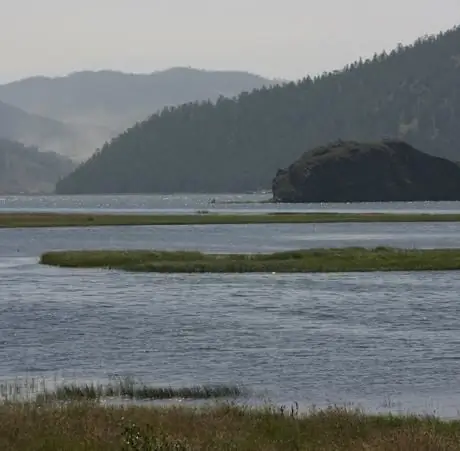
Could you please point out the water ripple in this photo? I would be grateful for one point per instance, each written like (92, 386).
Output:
(316, 338)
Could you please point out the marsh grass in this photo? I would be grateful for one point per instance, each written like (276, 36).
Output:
(301, 261)
(13, 220)
(21, 390)
(41, 391)
(90, 427)
(129, 390)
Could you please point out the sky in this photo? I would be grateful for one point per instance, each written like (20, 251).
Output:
(285, 39)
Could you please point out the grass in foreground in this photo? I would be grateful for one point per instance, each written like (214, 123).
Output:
(302, 261)
(15, 220)
(89, 427)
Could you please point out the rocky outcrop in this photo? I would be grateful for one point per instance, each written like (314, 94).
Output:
(388, 171)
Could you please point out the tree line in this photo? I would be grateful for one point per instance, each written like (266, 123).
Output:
(238, 144)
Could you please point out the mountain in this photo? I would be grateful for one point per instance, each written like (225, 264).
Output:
(238, 144)
(33, 130)
(27, 170)
(117, 100)
(388, 171)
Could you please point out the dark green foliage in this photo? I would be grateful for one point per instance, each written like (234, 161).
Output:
(301, 261)
(238, 144)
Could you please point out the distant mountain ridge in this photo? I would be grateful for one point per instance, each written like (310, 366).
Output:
(77, 114)
(237, 145)
(116, 100)
(29, 171)
(34, 130)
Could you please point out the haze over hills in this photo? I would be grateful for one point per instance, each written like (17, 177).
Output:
(237, 145)
(34, 130)
(27, 170)
(100, 105)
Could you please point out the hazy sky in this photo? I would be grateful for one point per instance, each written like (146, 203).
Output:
(276, 38)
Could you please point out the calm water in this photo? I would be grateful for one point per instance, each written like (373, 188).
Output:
(230, 238)
(377, 340)
(382, 341)
(190, 203)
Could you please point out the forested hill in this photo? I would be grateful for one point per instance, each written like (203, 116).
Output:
(27, 170)
(237, 145)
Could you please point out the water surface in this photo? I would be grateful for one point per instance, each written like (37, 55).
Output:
(378, 340)
(191, 203)
(230, 238)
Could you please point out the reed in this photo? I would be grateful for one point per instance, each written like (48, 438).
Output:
(41, 391)
(129, 390)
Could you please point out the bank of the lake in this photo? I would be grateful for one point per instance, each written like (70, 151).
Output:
(19, 220)
(301, 261)
(89, 426)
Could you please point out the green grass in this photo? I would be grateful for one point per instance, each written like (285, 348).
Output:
(14, 220)
(301, 261)
(92, 427)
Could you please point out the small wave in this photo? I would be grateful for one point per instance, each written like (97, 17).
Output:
(17, 262)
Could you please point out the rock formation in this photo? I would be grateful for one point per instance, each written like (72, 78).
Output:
(388, 171)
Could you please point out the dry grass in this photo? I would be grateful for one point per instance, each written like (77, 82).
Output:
(90, 427)
(301, 261)
(13, 220)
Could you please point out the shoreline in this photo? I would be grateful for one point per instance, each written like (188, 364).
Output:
(25, 220)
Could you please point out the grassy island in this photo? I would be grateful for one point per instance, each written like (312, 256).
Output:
(16, 220)
(301, 261)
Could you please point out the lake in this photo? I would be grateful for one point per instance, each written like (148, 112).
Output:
(383, 341)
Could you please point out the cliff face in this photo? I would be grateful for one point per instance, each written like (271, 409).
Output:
(389, 171)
